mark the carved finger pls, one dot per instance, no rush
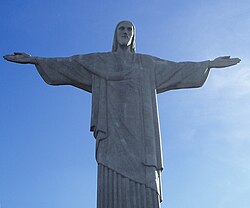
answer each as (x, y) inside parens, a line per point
(236, 60)
(18, 53)
(225, 57)
(7, 57)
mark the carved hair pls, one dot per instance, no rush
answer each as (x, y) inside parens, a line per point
(133, 42)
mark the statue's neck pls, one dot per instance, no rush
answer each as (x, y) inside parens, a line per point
(124, 49)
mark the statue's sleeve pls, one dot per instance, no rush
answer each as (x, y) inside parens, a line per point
(178, 75)
(65, 71)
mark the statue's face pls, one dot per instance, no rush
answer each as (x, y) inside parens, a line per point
(125, 33)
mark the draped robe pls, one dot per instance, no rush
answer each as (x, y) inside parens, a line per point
(124, 116)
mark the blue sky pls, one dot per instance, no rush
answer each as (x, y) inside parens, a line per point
(47, 155)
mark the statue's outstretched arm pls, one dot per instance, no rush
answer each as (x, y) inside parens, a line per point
(223, 61)
(21, 58)
(56, 71)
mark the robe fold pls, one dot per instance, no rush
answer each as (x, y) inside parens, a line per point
(124, 116)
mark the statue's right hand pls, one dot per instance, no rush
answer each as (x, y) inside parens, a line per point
(21, 58)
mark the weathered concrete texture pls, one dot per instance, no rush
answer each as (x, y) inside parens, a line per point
(117, 191)
(124, 108)
(124, 117)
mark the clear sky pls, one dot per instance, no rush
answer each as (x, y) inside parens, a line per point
(47, 154)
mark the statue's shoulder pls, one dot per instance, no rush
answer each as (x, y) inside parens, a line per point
(148, 58)
(155, 59)
(92, 57)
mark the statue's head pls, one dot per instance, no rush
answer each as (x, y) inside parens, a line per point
(124, 35)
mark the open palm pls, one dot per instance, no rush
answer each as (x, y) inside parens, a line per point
(17, 57)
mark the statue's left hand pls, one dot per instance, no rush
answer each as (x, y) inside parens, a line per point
(21, 58)
(223, 61)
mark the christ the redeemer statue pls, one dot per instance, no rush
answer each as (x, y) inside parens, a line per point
(124, 116)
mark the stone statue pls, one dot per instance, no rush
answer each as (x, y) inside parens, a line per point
(124, 116)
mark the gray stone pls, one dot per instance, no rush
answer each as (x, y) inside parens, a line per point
(124, 120)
